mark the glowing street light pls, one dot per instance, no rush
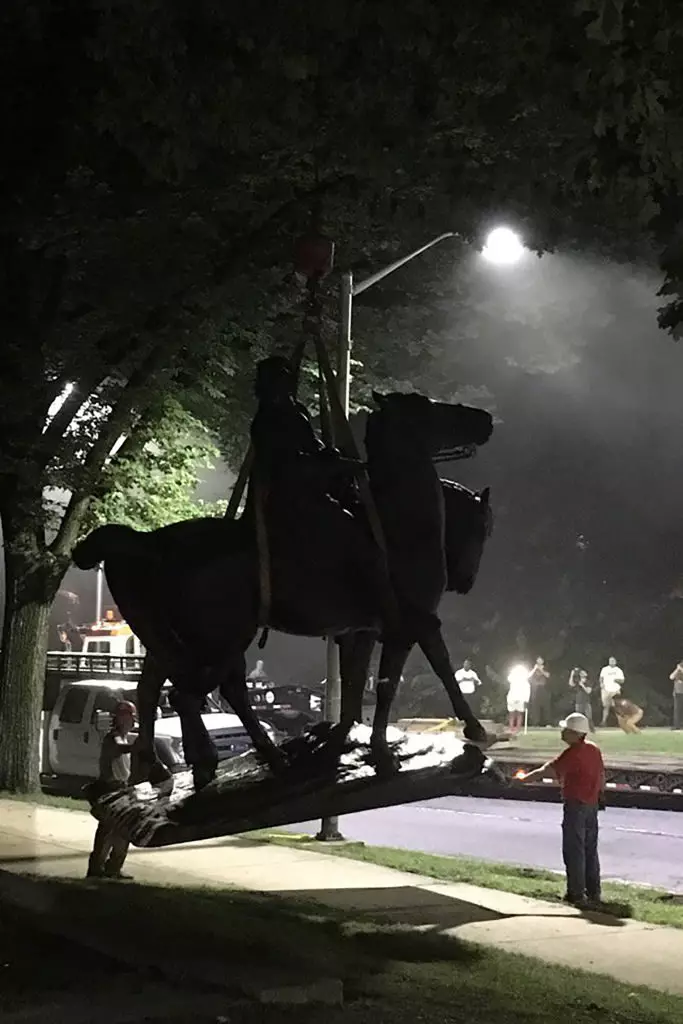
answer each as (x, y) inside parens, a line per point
(503, 247)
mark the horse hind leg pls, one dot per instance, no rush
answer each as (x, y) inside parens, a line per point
(233, 689)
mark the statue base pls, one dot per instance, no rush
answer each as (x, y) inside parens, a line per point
(246, 795)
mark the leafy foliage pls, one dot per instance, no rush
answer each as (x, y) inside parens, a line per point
(156, 484)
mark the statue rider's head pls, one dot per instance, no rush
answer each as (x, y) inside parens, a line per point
(274, 379)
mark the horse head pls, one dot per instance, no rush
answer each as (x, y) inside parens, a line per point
(469, 524)
(442, 429)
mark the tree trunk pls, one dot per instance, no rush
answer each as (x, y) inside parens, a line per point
(22, 682)
(32, 575)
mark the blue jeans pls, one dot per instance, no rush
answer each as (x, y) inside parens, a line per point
(580, 851)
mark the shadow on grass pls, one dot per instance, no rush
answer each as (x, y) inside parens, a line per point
(534, 883)
(616, 909)
(399, 944)
(239, 933)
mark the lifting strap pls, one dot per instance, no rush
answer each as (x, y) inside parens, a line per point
(263, 548)
(350, 448)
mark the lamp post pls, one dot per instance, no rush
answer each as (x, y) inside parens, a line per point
(98, 593)
(329, 827)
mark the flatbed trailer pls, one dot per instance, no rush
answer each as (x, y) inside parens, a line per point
(635, 778)
(653, 781)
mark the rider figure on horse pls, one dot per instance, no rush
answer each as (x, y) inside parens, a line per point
(286, 448)
(282, 426)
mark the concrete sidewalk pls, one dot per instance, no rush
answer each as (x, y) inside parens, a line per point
(54, 842)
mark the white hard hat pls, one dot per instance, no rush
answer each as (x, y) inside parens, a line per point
(577, 723)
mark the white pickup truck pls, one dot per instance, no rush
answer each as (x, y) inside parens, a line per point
(72, 731)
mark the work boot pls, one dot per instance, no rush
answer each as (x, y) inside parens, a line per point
(93, 870)
(580, 902)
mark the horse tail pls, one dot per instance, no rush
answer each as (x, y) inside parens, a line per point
(105, 542)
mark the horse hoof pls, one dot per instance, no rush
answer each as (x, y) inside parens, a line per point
(385, 763)
(202, 777)
(159, 774)
(476, 733)
(278, 763)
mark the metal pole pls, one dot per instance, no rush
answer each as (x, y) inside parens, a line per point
(344, 346)
(98, 594)
(397, 264)
(329, 827)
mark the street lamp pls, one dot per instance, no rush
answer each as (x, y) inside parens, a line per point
(503, 247)
(329, 829)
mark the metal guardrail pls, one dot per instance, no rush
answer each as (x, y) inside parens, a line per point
(85, 666)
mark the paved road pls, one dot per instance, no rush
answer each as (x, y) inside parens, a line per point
(635, 845)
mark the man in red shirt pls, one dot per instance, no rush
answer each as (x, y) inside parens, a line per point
(580, 771)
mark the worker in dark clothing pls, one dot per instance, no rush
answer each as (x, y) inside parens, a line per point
(539, 702)
(578, 681)
(110, 848)
(676, 678)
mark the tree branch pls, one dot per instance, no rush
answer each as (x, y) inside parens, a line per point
(85, 387)
(246, 242)
(115, 425)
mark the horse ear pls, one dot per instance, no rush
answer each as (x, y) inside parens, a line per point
(379, 400)
(485, 495)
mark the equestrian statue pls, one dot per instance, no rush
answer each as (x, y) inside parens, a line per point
(306, 558)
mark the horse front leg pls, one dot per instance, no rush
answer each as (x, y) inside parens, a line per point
(146, 766)
(394, 656)
(199, 749)
(436, 652)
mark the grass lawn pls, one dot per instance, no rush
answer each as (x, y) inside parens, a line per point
(391, 974)
(641, 903)
(612, 741)
(67, 803)
(37, 968)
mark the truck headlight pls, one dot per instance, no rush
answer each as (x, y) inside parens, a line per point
(314, 702)
(270, 697)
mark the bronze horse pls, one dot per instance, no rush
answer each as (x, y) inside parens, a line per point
(190, 591)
